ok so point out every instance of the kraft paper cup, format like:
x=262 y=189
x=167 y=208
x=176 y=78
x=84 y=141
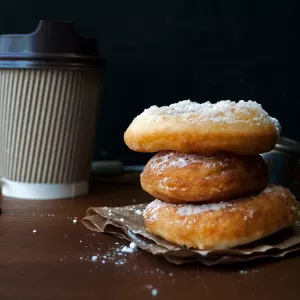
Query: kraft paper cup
x=47 y=128
x=50 y=81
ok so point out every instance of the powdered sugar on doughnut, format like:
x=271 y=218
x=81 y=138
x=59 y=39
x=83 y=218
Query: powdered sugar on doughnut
x=191 y=209
x=272 y=187
x=186 y=209
x=180 y=160
x=224 y=111
x=285 y=192
x=152 y=207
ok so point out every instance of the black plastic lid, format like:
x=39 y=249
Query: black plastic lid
x=52 y=44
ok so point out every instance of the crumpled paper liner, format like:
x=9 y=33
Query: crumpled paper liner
x=127 y=222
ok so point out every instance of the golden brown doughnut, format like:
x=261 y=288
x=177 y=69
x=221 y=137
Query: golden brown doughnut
x=190 y=127
x=225 y=224
x=179 y=177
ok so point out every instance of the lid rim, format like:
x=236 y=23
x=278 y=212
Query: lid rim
x=48 y=58
x=48 y=64
x=51 y=39
x=46 y=55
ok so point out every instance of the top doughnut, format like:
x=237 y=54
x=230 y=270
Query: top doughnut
x=242 y=127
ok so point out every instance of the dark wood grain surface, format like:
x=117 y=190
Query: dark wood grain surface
x=55 y=262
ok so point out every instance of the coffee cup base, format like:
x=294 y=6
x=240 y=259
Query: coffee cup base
x=43 y=191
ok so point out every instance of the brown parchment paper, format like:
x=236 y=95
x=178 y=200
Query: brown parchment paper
x=127 y=222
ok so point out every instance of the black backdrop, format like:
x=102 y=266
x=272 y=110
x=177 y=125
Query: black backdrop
x=159 y=52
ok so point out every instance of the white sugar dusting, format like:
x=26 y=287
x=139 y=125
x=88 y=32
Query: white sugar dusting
x=163 y=183
x=250 y=212
x=190 y=209
x=117 y=254
x=133 y=246
x=154 y=292
x=94 y=258
x=273 y=187
x=127 y=249
x=224 y=111
x=269 y=189
x=152 y=208
x=173 y=159
x=185 y=209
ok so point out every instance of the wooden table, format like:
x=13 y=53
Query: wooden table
x=45 y=255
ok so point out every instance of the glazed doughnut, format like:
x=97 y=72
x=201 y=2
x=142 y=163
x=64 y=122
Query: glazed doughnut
x=225 y=224
x=180 y=178
x=238 y=127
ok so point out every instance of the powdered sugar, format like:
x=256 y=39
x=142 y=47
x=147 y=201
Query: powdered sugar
x=224 y=111
x=116 y=254
x=152 y=208
x=249 y=214
x=270 y=188
x=133 y=246
x=169 y=159
x=126 y=249
x=276 y=188
x=192 y=209
x=185 y=209
x=166 y=184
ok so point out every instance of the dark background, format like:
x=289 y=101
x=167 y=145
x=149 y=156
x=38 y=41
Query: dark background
x=160 y=52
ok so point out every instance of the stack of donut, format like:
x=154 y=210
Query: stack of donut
x=208 y=178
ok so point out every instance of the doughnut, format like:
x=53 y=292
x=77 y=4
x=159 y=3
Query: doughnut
x=223 y=225
x=239 y=127
x=180 y=178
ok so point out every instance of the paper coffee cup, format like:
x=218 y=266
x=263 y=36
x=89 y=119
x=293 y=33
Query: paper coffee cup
x=47 y=127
